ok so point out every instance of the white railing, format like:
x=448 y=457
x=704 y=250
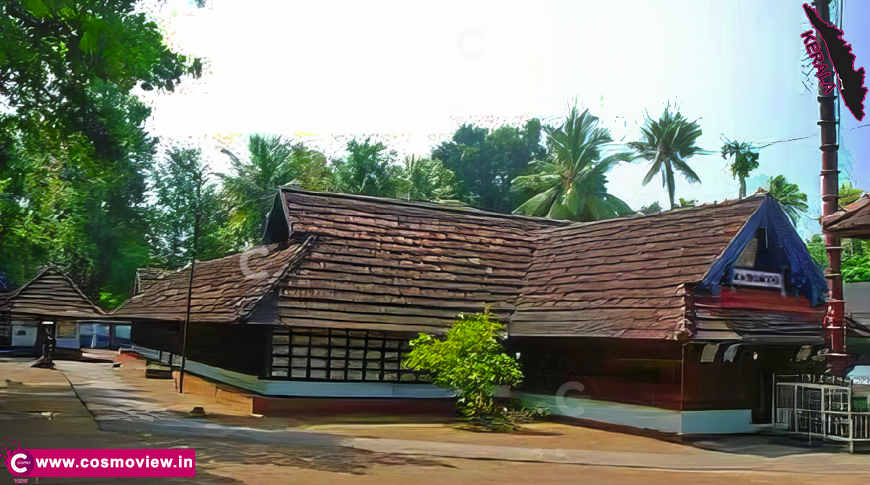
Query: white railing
x=819 y=409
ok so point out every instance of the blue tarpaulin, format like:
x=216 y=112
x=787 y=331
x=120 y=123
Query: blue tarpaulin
x=804 y=277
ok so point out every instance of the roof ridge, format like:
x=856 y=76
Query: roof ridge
x=222 y=258
x=6 y=297
x=437 y=206
x=638 y=215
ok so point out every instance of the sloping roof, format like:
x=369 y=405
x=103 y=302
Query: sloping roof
x=50 y=294
x=624 y=277
x=389 y=264
x=852 y=221
x=224 y=290
x=146 y=277
x=392 y=265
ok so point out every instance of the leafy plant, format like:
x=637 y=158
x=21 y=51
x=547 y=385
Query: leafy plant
x=789 y=196
x=856 y=269
x=571 y=183
x=856 y=260
x=668 y=143
x=470 y=359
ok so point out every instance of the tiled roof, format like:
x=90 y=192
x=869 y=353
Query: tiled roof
x=852 y=221
x=624 y=277
x=49 y=294
x=391 y=265
x=146 y=277
x=387 y=264
x=224 y=290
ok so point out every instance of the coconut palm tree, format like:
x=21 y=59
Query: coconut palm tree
x=571 y=182
x=789 y=196
x=271 y=162
x=667 y=143
x=745 y=160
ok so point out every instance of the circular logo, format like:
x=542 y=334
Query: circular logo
x=20 y=463
x=573 y=394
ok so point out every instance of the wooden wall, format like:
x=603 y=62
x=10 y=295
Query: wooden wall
x=235 y=347
x=635 y=371
x=157 y=336
x=745 y=383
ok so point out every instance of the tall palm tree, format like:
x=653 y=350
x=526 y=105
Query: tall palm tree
x=745 y=160
x=668 y=142
x=571 y=182
x=270 y=163
x=789 y=196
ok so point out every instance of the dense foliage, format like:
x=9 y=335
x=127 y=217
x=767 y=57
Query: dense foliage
x=486 y=162
x=73 y=149
x=189 y=213
x=471 y=360
x=368 y=169
x=855 y=257
x=270 y=162
x=426 y=179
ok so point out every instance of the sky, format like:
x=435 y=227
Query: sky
x=410 y=73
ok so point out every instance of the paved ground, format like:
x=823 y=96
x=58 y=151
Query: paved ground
x=89 y=405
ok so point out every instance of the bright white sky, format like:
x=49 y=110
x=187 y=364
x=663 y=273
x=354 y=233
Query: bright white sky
x=411 y=71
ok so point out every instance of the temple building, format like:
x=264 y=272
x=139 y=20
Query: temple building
x=675 y=321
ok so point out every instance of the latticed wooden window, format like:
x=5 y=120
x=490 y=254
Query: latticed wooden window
x=5 y=328
x=339 y=355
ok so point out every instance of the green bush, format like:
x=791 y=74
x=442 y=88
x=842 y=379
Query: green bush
x=469 y=359
x=856 y=269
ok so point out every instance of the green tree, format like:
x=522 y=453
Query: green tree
x=855 y=257
x=668 y=143
x=789 y=196
x=486 y=162
x=368 y=169
x=271 y=162
x=426 y=179
x=471 y=360
x=186 y=200
x=572 y=183
x=856 y=269
x=744 y=160
x=74 y=150
x=848 y=194
x=816 y=247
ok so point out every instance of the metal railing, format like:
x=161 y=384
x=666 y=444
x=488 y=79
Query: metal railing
x=820 y=408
